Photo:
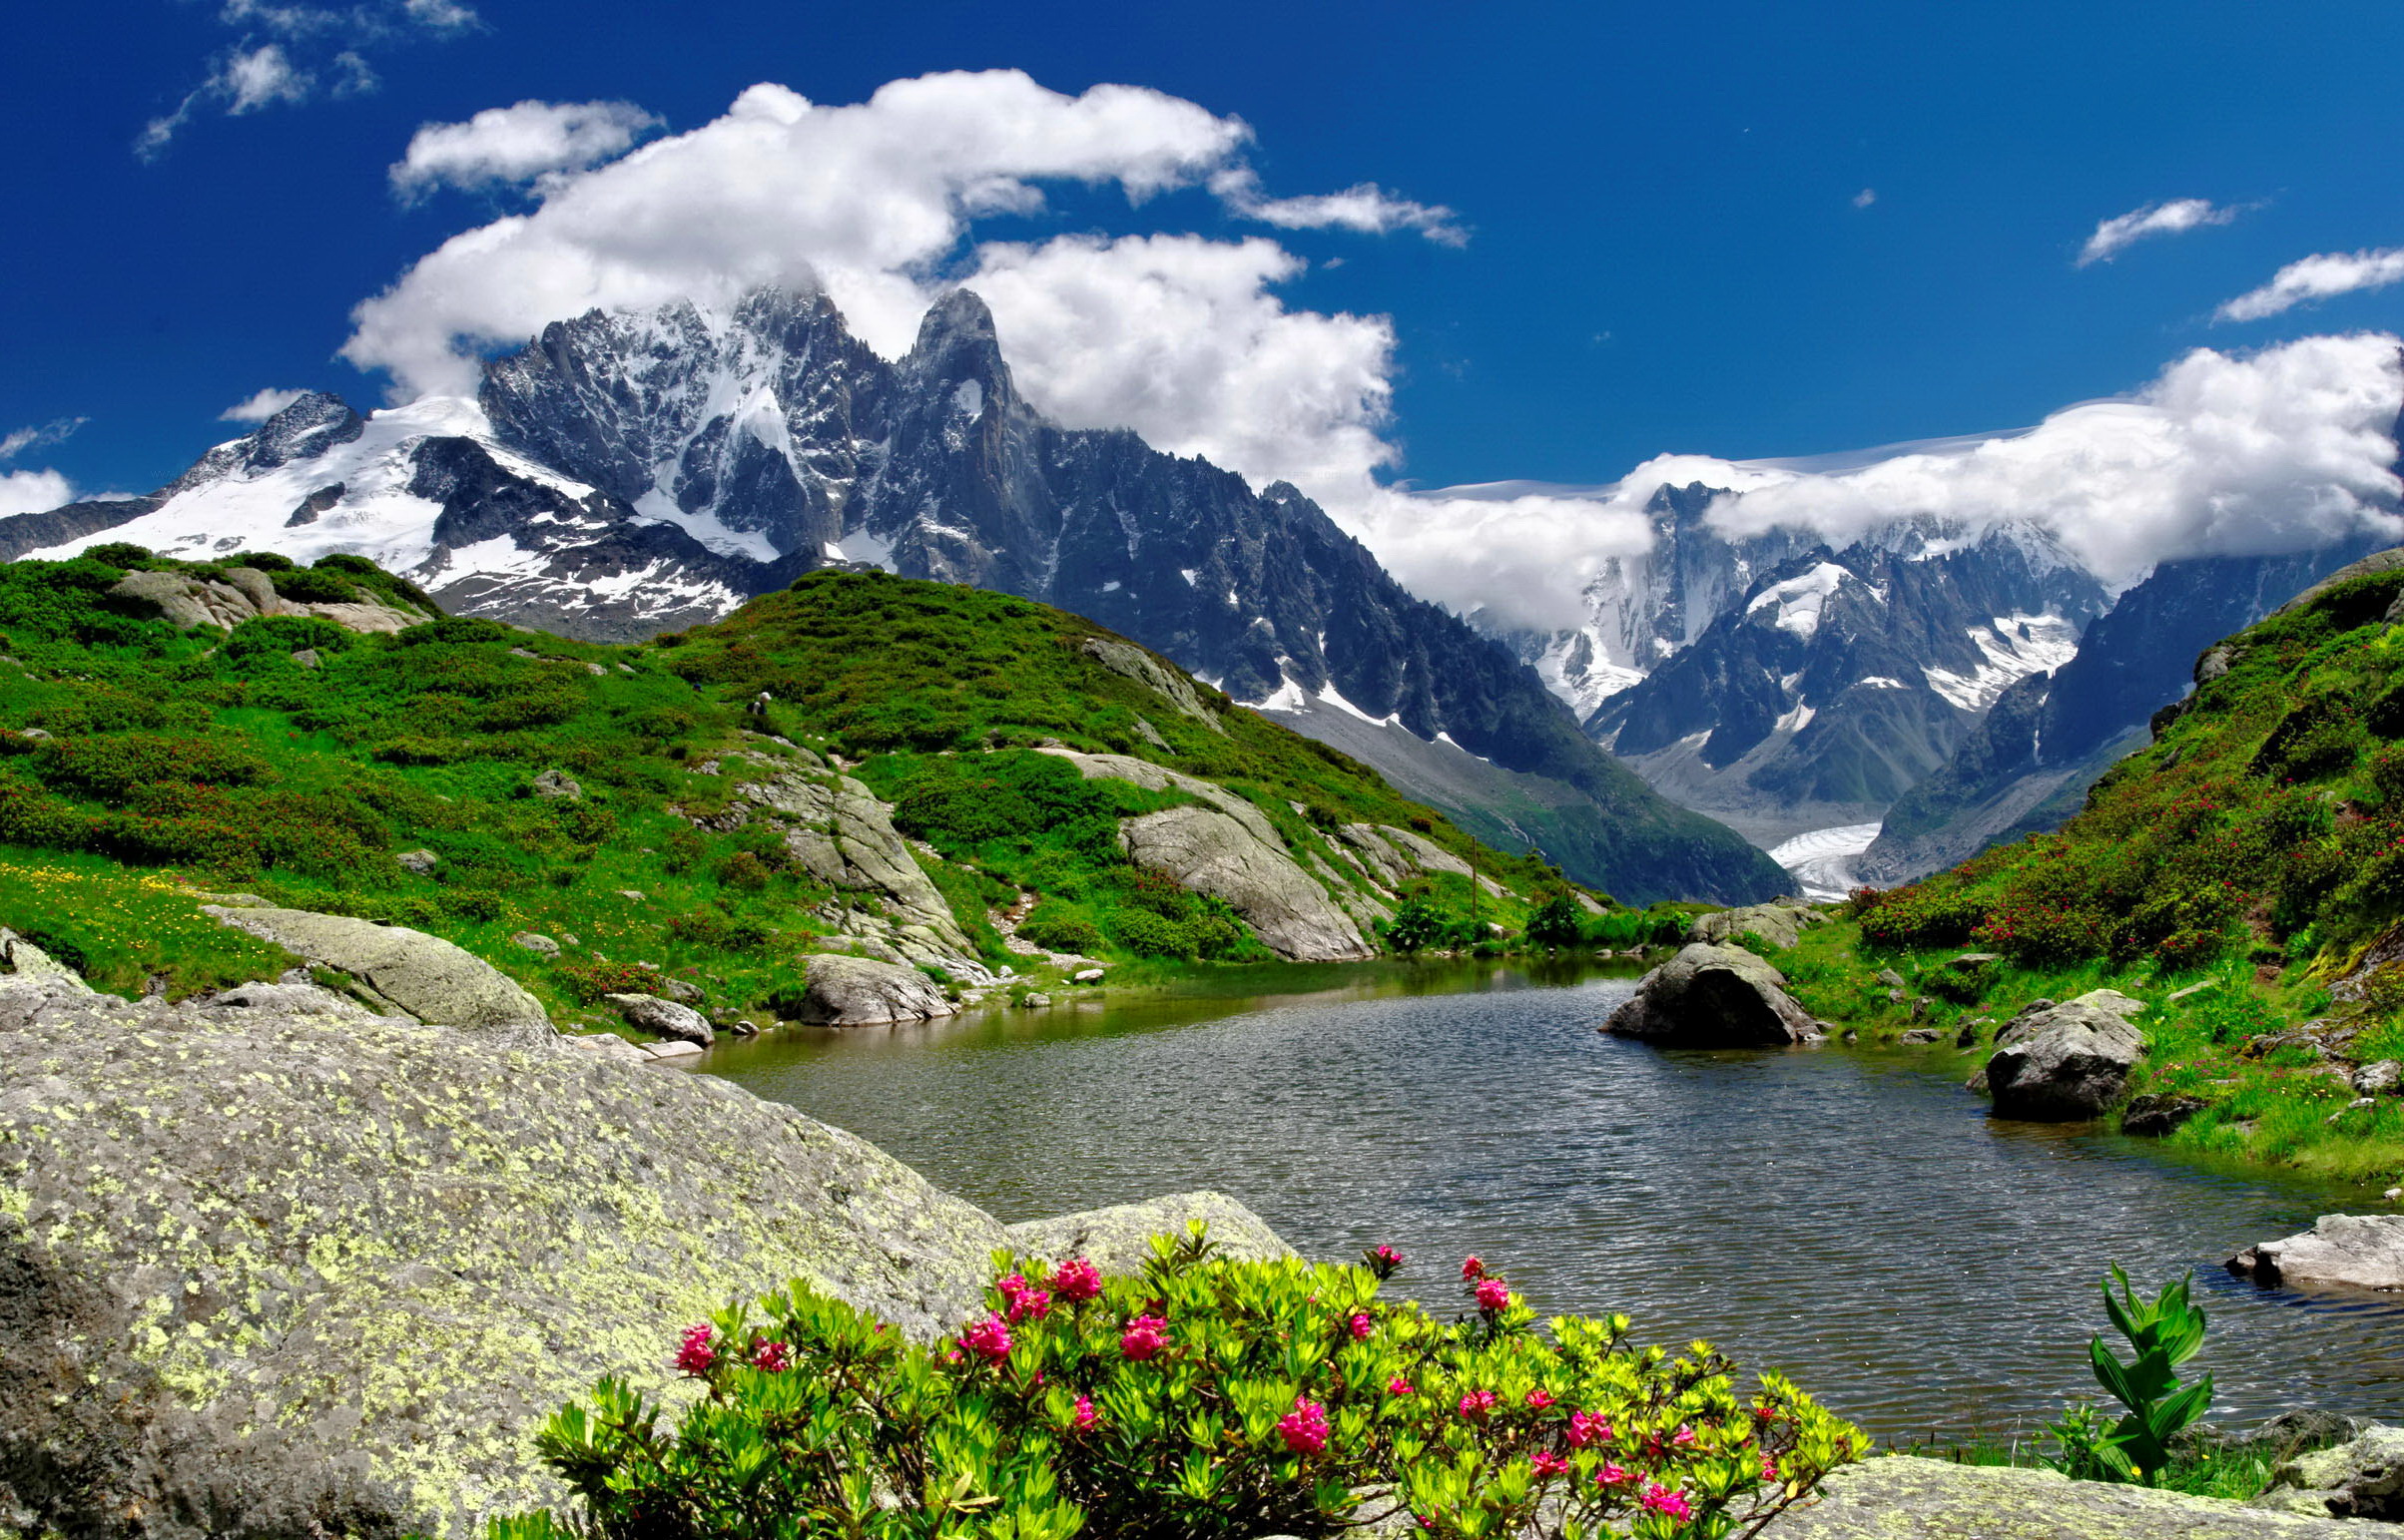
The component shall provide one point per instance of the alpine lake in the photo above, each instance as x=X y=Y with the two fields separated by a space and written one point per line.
x=1853 y=1218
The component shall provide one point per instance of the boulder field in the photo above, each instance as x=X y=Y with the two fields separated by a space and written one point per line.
x=272 y=1263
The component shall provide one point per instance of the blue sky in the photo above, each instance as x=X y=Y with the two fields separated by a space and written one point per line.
x=1666 y=246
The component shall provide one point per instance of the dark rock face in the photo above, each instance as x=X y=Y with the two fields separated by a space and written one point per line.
x=2158 y=1117
x=2064 y=1062
x=23 y=532
x=1713 y=997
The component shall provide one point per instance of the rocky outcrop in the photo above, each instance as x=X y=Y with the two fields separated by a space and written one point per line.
x=1781 y=922
x=414 y=974
x=1903 y=1497
x=1125 y=658
x=1118 y=1239
x=843 y=991
x=1207 y=852
x=246 y=593
x=845 y=837
x=2065 y=1063
x=277 y=1269
x=2360 y=1479
x=2340 y=1250
x=1713 y=997
x=21 y=958
x=663 y=1018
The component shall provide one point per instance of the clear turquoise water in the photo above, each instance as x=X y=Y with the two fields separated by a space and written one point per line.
x=1855 y=1219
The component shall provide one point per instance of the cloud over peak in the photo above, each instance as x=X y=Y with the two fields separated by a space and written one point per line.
x=2174 y=217
x=261 y=406
x=509 y=145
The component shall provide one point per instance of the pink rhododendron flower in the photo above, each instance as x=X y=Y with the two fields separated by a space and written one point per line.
x=1588 y=1427
x=1076 y=1282
x=1661 y=1500
x=1305 y=1427
x=989 y=1339
x=1400 y=1386
x=1769 y=1470
x=1478 y=1404
x=1085 y=1417
x=1492 y=1295
x=1540 y=1399
x=1547 y=1463
x=1361 y=1326
x=1145 y=1338
x=1387 y=1255
x=770 y=1357
x=1613 y=1474
x=1684 y=1437
x=1472 y=1270
x=695 y=1354
x=1023 y=1299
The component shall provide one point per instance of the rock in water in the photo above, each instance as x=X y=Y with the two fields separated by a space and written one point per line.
x=423 y=975
x=1903 y=1497
x=2065 y=1063
x=860 y=991
x=1118 y=1239
x=663 y=1018
x=1714 y=997
x=2363 y=1479
x=276 y=1270
x=2340 y=1250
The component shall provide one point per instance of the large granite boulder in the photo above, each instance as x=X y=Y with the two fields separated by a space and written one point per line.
x=1781 y=922
x=1714 y=997
x=662 y=1018
x=844 y=991
x=2360 y=1479
x=843 y=835
x=246 y=593
x=1903 y=1497
x=2340 y=1250
x=282 y=1269
x=416 y=974
x=1118 y=1239
x=2065 y=1063
x=1209 y=851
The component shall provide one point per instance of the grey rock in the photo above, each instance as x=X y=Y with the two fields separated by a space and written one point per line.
x=1037 y=1000
x=275 y=1272
x=1713 y=997
x=2067 y=1063
x=1127 y=659
x=680 y=991
x=1920 y=1036
x=843 y=836
x=1117 y=1240
x=2156 y=1115
x=607 y=1046
x=420 y=862
x=862 y=991
x=1905 y=1497
x=2340 y=1250
x=308 y=657
x=1781 y=922
x=2359 y=1479
x=554 y=782
x=423 y=975
x=1892 y=979
x=1208 y=851
x=247 y=594
x=663 y=1018
x=2381 y=1079
x=22 y=959
x=536 y=941
x=299 y=997
x=2293 y=1430
x=667 y=1048
x=1967 y=1035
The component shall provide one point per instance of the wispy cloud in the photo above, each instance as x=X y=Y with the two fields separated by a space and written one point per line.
x=260 y=407
x=2316 y=278
x=1865 y=197
x=1365 y=207
x=288 y=53
x=525 y=142
x=39 y=436
x=2176 y=217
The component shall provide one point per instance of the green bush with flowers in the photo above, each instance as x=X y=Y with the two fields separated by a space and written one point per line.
x=1204 y=1396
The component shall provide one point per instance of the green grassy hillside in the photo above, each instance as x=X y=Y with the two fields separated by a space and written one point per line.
x=140 y=762
x=2257 y=846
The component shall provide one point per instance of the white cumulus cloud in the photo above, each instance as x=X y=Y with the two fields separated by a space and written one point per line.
x=505 y=144
x=33 y=491
x=2316 y=278
x=2172 y=218
x=1365 y=207
x=260 y=407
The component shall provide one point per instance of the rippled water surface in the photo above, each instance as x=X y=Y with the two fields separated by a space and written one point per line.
x=1854 y=1220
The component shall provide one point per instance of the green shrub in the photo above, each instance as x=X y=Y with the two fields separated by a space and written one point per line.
x=117 y=765
x=1206 y=1398
x=1148 y=934
x=117 y=552
x=312 y=586
x=268 y=562
x=589 y=981
x=278 y=636
x=1558 y=921
x=1058 y=927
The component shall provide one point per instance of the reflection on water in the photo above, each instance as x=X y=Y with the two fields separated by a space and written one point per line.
x=1855 y=1220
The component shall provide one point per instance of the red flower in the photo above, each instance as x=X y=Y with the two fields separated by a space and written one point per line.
x=1076 y=1282
x=695 y=1356
x=1492 y=1295
x=770 y=1357
x=989 y=1339
x=1305 y=1427
x=1145 y=1338
x=1472 y=1270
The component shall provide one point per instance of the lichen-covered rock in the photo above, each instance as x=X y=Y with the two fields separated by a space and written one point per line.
x=1125 y=658
x=1118 y=1239
x=838 y=829
x=1207 y=852
x=2359 y=1479
x=554 y=784
x=1713 y=997
x=2385 y=1078
x=663 y=1018
x=21 y=958
x=270 y=1271
x=2340 y=1250
x=1903 y=1497
x=246 y=593
x=1781 y=922
x=424 y=976
x=843 y=991
x=2065 y=1063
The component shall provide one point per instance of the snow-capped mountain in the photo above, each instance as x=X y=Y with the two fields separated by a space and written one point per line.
x=631 y=473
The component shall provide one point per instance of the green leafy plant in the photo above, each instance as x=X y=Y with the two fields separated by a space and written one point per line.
x=2163 y=1333
x=1203 y=1397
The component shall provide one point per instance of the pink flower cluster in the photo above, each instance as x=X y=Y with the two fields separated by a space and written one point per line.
x=1472 y=1270
x=1146 y=1336
x=770 y=1357
x=1588 y=1427
x=1022 y=1299
x=1077 y=1281
x=1540 y=1399
x=1661 y=1500
x=1085 y=1417
x=695 y=1354
x=1361 y=1326
x=1397 y=1385
x=989 y=1339
x=1478 y=1404
x=1492 y=1295
x=1547 y=1463
x=1385 y=1257
x=1304 y=1429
